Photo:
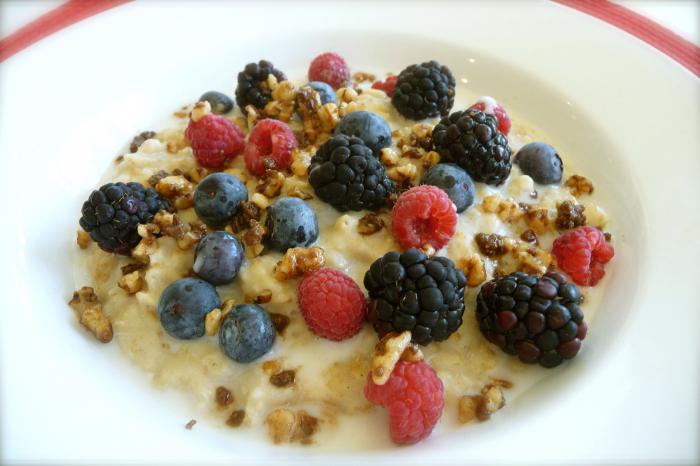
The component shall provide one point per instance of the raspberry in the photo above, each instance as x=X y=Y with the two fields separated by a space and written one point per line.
x=329 y=68
x=215 y=140
x=387 y=85
x=269 y=147
x=414 y=396
x=332 y=304
x=582 y=253
x=424 y=215
x=490 y=106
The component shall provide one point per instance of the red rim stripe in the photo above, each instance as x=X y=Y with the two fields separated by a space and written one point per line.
x=684 y=52
x=60 y=17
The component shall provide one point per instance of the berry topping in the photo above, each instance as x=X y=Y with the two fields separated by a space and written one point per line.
x=332 y=304
x=424 y=215
x=329 y=68
x=220 y=103
x=490 y=106
x=345 y=173
x=371 y=128
x=291 y=223
x=540 y=162
x=454 y=181
x=387 y=85
x=269 y=147
x=582 y=253
x=411 y=291
x=472 y=140
x=325 y=92
x=214 y=139
x=112 y=214
x=218 y=258
x=246 y=333
x=253 y=88
x=183 y=306
x=414 y=397
x=536 y=318
x=218 y=196
x=423 y=91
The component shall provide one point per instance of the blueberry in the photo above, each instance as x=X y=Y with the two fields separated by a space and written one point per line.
x=540 y=162
x=246 y=333
x=454 y=181
x=183 y=306
x=325 y=91
x=218 y=258
x=218 y=196
x=291 y=222
x=371 y=128
x=220 y=103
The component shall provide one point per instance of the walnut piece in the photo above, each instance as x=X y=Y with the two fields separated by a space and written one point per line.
x=270 y=184
x=538 y=220
x=430 y=159
x=139 y=139
x=236 y=418
x=490 y=245
x=284 y=425
x=362 y=76
x=370 y=224
x=403 y=173
x=283 y=379
x=280 y=321
x=298 y=261
x=132 y=282
x=223 y=396
x=389 y=157
x=579 y=185
x=482 y=406
x=253 y=238
x=264 y=297
x=390 y=349
x=507 y=209
x=213 y=319
x=474 y=269
x=190 y=424
x=200 y=110
x=283 y=95
x=570 y=215
x=529 y=236
x=318 y=119
x=301 y=159
x=89 y=311
x=296 y=191
x=177 y=189
x=83 y=239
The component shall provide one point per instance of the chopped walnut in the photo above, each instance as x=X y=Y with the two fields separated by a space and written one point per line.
x=128 y=268
x=264 y=297
x=212 y=321
x=370 y=224
x=467 y=408
x=270 y=184
x=529 y=236
x=200 y=110
x=283 y=95
x=132 y=282
x=347 y=95
x=283 y=379
x=83 y=239
x=190 y=424
x=570 y=215
x=253 y=115
x=169 y=224
x=298 y=261
x=247 y=213
x=481 y=406
x=253 y=238
x=156 y=177
x=474 y=269
x=280 y=321
x=430 y=159
x=296 y=191
x=177 y=189
x=490 y=245
x=301 y=159
x=390 y=349
x=579 y=185
x=538 y=220
x=507 y=209
x=361 y=77
x=223 y=396
x=119 y=159
x=271 y=367
x=524 y=257
x=318 y=119
x=236 y=418
x=389 y=157
x=260 y=200
x=284 y=425
x=403 y=173
x=197 y=230
x=139 y=139
x=89 y=312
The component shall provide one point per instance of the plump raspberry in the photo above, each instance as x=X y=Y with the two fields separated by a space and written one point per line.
x=215 y=140
x=269 y=147
x=490 y=106
x=387 y=85
x=329 y=68
x=582 y=253
x=332 y=304
x=424 y=215
x=414 y=397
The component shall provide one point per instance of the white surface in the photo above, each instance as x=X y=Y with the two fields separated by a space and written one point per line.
x=16 y=13
x=630 y=397
x=680 y=16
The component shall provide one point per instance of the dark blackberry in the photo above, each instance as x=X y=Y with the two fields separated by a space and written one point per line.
x=345 y=174
x=412 y=291
x=471 y=139
x=536 y=318
x=112 y=213
x=423 y=91
x=252 y=84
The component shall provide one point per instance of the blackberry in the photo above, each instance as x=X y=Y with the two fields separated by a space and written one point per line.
x=345 y=173
x=471 y=139
x=112 y=213
x=423 y=91
x=536 y=318
x=411 y=291
x=252 y=84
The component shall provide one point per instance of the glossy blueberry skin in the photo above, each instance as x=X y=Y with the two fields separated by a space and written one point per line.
x=220 y=103
x=540 y=162
x=218 y=196
x=325 y=91
x=246 y=333
x=183 y=306
x=371 y=128
x=218 y=258
x=454 y=181
x=291 y=223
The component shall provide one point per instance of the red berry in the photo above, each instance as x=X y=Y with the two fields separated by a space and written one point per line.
x=489 y=105
x=329 y=68
x=424 y=215
x=332 y=304
x=269 y=147
x=414 y=397
x=214 y=140
x=582 y=253
x=387 y=85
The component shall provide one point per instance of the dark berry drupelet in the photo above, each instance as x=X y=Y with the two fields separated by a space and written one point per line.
x=536 y=318
x=423 y=91
x=112 y=213
x=412 y=291
x=471 y=139
x=345 y=174
x=252 y=84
